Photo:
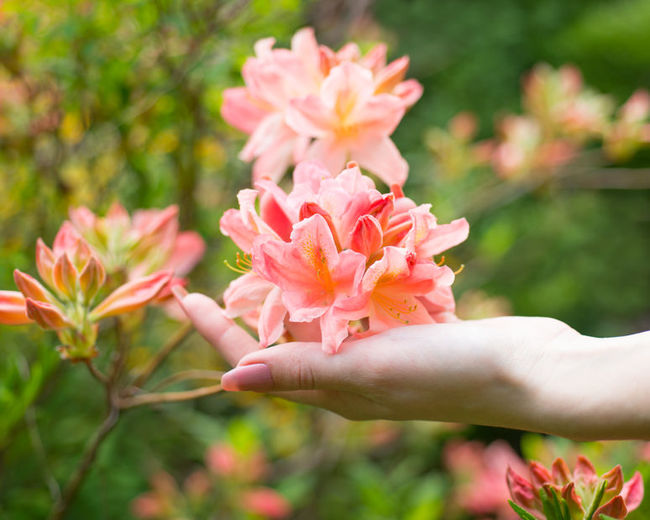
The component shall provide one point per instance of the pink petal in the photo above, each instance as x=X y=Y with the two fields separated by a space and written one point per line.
x=66 y=239
x=131 y=296
x=381 y=157
x=522 y=492
x=347 y=87
x=560 y=471
x=409 y=92
x=329 y=153
x=375 y=58
x=614 y=508
x=264 y=136
x=309 y=116
x=334 y=330
x=274 y=209
x=188 y=250
x=632 y=492
x=271 y=323
x=367 y=236
x=12 y=308
x=614 y=478
x=380 y=115
x=239 y=109
x=390 y=76
x=584 y=471
x=82 y=218
x=266 y=503
x=245 y=294
x=540 y=475
x=273 y=162
x=44 y=262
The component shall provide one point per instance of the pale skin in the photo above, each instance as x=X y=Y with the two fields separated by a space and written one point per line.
x=535 y=374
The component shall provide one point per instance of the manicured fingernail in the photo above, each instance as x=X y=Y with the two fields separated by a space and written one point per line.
x=180 y=292
x=256 y=378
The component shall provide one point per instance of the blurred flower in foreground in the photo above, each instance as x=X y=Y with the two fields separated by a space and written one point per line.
x=579 y=495
x=333 y=251
x=226 y=486
x=478 y=472
x=74 y=275
x=132 y=247
x=309 y=102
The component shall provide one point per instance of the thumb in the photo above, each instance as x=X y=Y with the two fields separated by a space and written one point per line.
x=294 y=366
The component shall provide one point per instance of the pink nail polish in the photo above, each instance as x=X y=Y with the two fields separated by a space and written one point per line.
x=256 y=378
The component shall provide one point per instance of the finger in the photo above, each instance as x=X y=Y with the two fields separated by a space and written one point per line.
x=295 y=366
x=224 y=334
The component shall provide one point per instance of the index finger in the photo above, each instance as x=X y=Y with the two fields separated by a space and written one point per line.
x=225 y=335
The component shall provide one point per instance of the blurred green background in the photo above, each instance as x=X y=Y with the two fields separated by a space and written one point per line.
x=119 y=100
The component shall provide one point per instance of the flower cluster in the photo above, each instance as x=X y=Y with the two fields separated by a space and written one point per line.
x=228 y=483
x=309 y=102
x=140 y=258
x=132 y=247
x=561 y=115
x=575 y=496
x=75 y=275
x=334 y=251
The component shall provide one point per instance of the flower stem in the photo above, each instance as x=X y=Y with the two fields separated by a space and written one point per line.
x=168 y=397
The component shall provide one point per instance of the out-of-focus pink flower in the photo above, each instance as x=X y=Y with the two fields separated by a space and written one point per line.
x=522 y=148
x=631 y=129
x=349 y=122
x=12 y=308
x=136 y=247
x=266 y=502
x=224 y=460
x=348 y=103
x=478 y=472
x=159 y=503
x=336 y=250
x=578 y=488
x=562 y=106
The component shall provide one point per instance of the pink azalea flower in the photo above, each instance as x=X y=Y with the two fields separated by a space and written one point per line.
x=266 y=502
x=278 y=79
x=349 y=122
x=313 y=276
x=336 y=250
x=578 y=488
x=74 y=276
x=478 y=472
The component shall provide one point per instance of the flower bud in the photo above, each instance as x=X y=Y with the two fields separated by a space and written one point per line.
x=65 y=277
x=48 y=316
x=91 y=279
x=12 y=308
x=31 y=288
x=131 y=296
x=44 y=262
x=367 y=236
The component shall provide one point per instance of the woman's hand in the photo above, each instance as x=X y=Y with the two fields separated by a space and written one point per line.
x=511 y=372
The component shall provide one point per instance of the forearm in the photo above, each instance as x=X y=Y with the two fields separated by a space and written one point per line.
x=591 y=388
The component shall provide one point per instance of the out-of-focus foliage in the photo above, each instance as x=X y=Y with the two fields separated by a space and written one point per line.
x=105 y=100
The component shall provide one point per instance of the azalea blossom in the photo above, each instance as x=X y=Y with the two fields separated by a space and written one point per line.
x=312 y=102
x=137 y=246
x=583 y=490
x=73 y=276
x=631 y=129
x=334 y=252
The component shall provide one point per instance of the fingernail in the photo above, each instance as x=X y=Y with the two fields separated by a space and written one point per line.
x=179 y=292
x=256 y=378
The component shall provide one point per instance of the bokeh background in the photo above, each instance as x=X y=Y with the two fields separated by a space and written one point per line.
x=110 y=100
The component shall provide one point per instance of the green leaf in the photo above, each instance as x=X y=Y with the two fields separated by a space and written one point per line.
x=523 y=514
x=596 y=501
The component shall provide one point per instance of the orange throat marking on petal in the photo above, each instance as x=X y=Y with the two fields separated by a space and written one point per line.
x=398 y=310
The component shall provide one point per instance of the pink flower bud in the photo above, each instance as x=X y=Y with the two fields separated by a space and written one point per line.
x=12 y=308
x=92 y=278
x=65 y=276
x=131 y=296
x=367 y=236
x=45 y=262
x=48 y=316
x=31 y=288
x=66 y=239
x=266 y=502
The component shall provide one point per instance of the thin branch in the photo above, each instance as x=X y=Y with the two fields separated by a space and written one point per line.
x=35 y=437
x=162 y=354
x=168 y=397
x=96 y=373
x=186 y=375
x=73 y=485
